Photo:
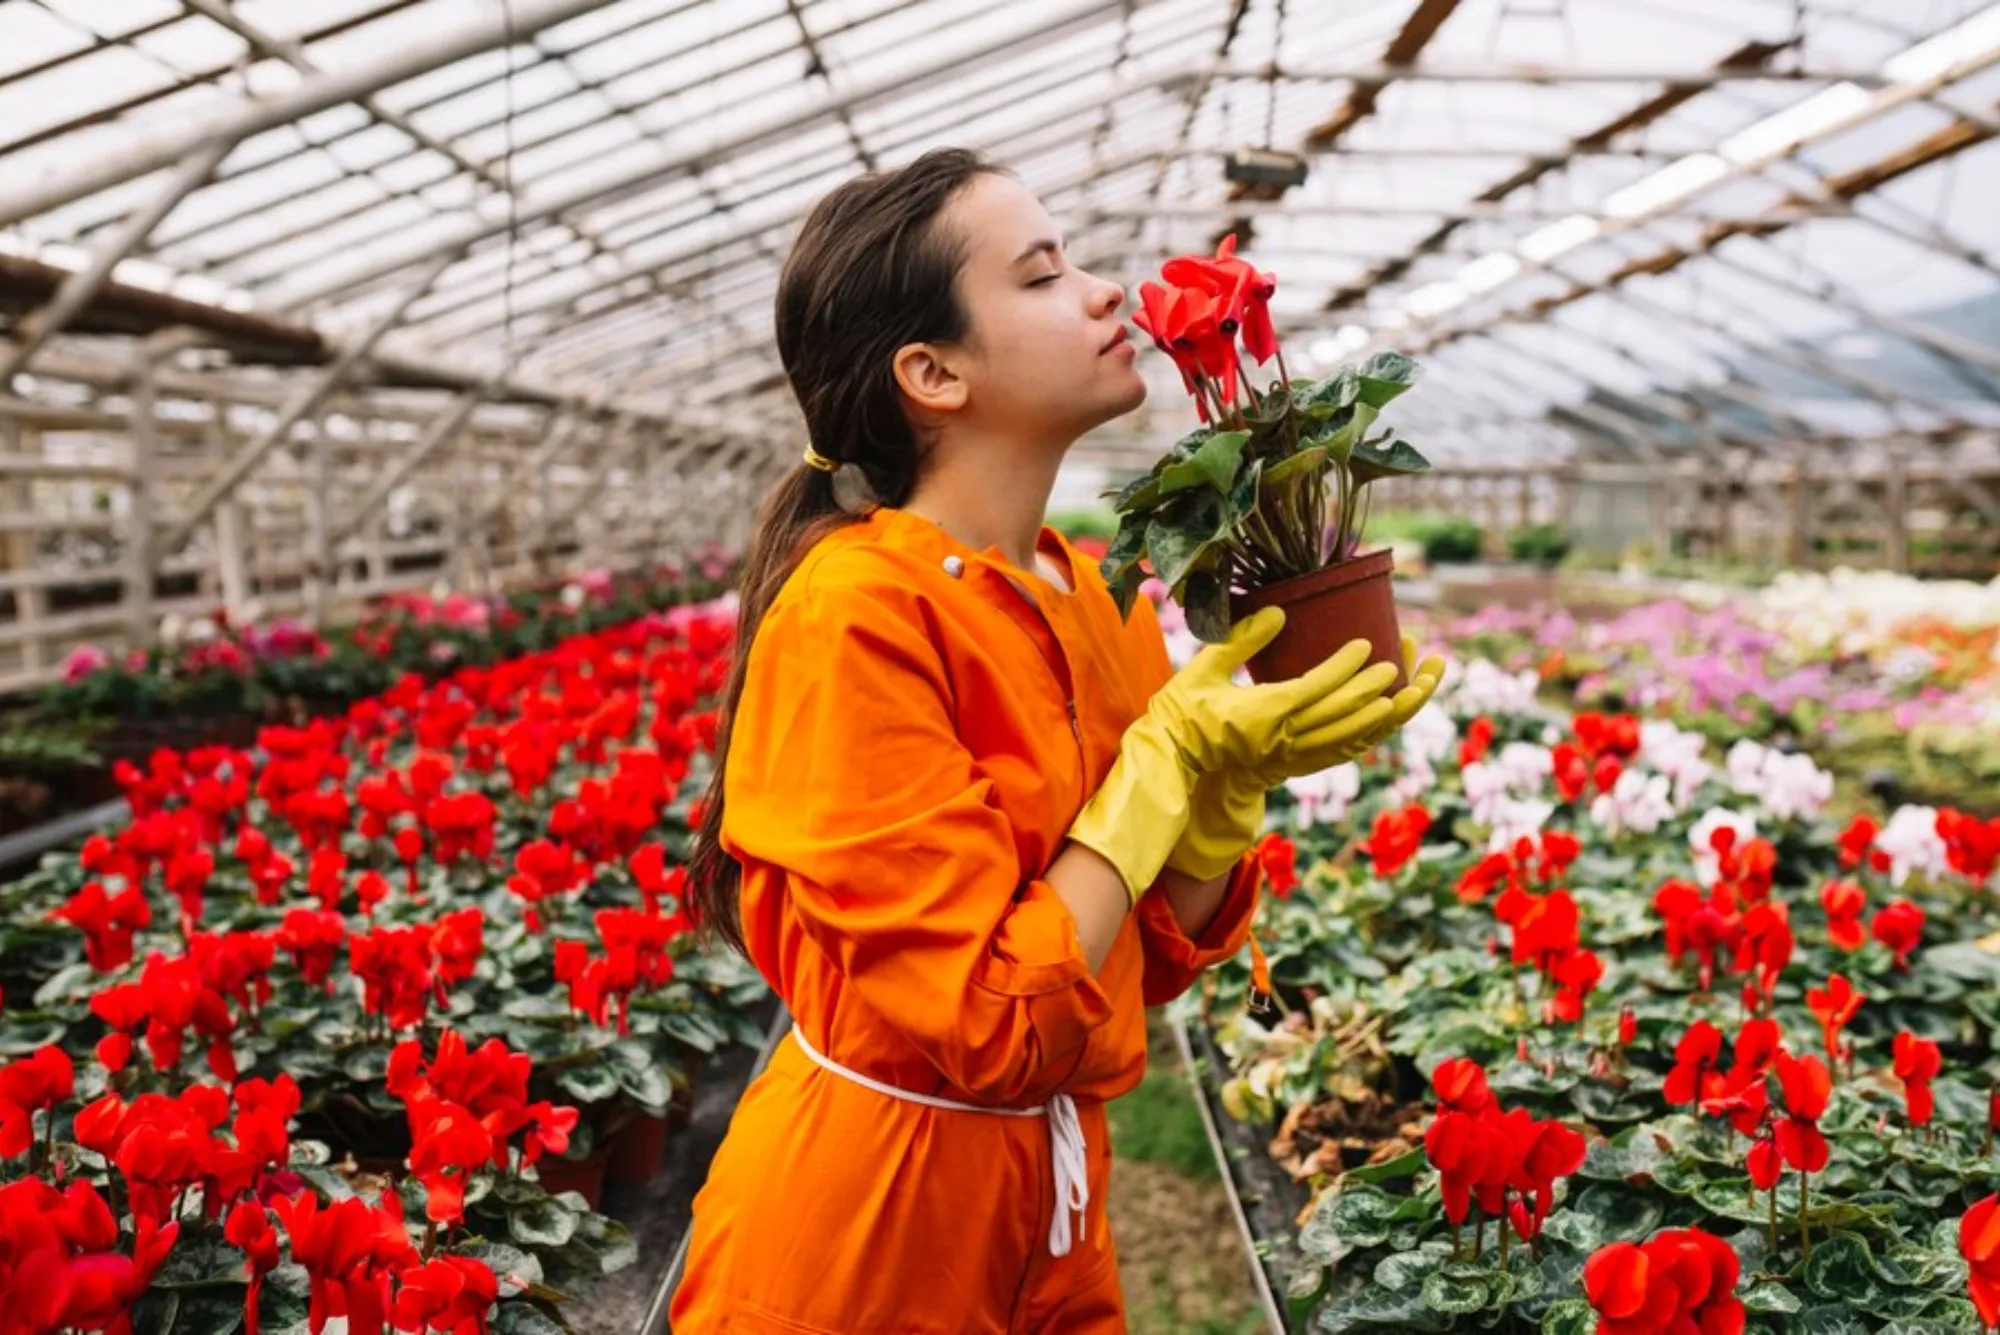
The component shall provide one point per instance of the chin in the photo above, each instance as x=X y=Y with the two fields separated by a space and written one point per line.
x=1111 y=412
x=1133 y=398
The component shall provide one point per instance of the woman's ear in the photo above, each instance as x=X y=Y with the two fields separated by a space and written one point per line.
x=929 y=378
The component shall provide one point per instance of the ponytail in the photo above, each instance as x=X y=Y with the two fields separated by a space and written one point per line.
x=796 y=514
x=871 y=272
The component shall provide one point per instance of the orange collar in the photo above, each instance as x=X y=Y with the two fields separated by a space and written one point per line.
x=901 y=529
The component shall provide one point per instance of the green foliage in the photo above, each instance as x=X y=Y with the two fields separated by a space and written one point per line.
x=1099 y=522
x=1273 y=492
x=1378 y=980
x=1539 y=544
x=1446 y=539
x=41 y=747
x=249 y=673
x=1159 y=1123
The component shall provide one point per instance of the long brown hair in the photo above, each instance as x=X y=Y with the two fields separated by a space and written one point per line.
x=870 y=272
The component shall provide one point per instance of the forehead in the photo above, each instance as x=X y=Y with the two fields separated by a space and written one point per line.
x=1000 y=218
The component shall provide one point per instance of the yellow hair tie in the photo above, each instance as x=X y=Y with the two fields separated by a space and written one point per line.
x=819 y=462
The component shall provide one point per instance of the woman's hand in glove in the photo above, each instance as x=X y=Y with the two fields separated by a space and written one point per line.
x=1202 y=723
x=1226 y=808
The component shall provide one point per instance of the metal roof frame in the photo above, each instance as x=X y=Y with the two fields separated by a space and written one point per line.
x=633 y=289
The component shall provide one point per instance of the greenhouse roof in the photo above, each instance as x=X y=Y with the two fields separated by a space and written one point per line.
x=1663 y=224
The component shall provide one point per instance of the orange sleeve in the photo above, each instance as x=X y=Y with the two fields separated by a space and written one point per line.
x=845 y=771
x=1173 y=960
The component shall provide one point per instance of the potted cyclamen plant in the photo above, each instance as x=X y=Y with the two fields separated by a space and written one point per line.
x=1262 y=505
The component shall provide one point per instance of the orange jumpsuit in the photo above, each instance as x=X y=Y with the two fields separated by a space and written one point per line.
x=912 y=744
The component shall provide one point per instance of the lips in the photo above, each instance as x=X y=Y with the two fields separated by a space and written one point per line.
x=1116 y=339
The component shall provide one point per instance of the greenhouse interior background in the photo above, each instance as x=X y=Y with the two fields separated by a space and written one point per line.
x=357 y=353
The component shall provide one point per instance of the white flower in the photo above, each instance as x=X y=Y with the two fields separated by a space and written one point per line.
x=1527 y=765
x=1182 y=646
x=1908 y=663
x=1518 y=770
x=1411 y=787
x=1745 y=764
x=1707 y=865
x=1788 y=787
x=1486 y=688
x=1485 y=786
x=1795 y=788
x=1516 y=818
x=1638 y=802
x=1912 y=842
x=1325 y=797
x=1428 y=738
x=1669 y=750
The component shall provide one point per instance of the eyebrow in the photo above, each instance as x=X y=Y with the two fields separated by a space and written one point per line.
x=1036 y=248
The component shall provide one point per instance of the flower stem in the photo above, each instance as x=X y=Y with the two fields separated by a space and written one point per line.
x=1319 y=519
x=1774 y=1219
x=1805 y=1194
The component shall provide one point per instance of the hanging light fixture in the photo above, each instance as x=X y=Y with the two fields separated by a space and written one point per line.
x=1269 y=168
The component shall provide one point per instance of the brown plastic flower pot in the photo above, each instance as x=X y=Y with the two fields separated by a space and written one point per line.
x=1323 y=611
x=584 y=1176
x=638 y=1149
x=682 y=1106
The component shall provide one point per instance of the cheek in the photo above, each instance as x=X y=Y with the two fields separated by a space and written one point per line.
x=1037 y=343
x=1053 y=328
x=1037 y=346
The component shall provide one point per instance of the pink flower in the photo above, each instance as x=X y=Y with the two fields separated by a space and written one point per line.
x=84 y=660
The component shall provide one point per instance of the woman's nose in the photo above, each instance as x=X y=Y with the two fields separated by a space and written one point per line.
x=1110 y=296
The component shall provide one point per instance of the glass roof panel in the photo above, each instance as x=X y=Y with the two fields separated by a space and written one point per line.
x=112 y=18
x=1445 y=208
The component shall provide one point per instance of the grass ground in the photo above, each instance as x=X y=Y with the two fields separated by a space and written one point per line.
x=1183 y=1263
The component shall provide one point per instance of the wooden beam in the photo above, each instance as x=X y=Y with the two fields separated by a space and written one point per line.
x=1847 y=186
x=120 y=308
x=1753 y=55
x=1403 y=49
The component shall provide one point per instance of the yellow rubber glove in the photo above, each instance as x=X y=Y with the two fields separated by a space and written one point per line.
x=1226 y=808
x=1201 y=722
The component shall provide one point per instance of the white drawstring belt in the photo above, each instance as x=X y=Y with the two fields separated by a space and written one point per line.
x=1072 y=1169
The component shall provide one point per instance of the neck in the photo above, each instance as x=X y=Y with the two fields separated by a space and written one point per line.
x=982 y=494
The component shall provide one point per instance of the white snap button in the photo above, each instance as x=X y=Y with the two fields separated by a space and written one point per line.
x=954 y=566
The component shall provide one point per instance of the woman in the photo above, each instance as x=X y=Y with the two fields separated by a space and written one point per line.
x=966 y=820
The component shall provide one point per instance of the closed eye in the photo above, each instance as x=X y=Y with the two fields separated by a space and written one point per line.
x=1046 y=278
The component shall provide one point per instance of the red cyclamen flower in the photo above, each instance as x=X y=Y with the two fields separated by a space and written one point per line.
x=1845 y=902
x=1900 y=926
x=1833 y=1006
x=1918 y=1062
x=1979 y=1244
x=1677 y=1280
x=452 y=1294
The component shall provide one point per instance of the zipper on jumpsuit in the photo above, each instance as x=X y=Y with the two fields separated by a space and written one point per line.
x=1039 y=1259
x=1065 y=679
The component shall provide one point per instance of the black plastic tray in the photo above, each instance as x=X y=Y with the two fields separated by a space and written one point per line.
x=1262 y=1197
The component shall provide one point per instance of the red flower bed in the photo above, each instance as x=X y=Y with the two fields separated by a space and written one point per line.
x=351 y=993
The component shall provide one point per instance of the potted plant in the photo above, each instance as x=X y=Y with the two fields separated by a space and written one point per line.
x=1262 y=504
